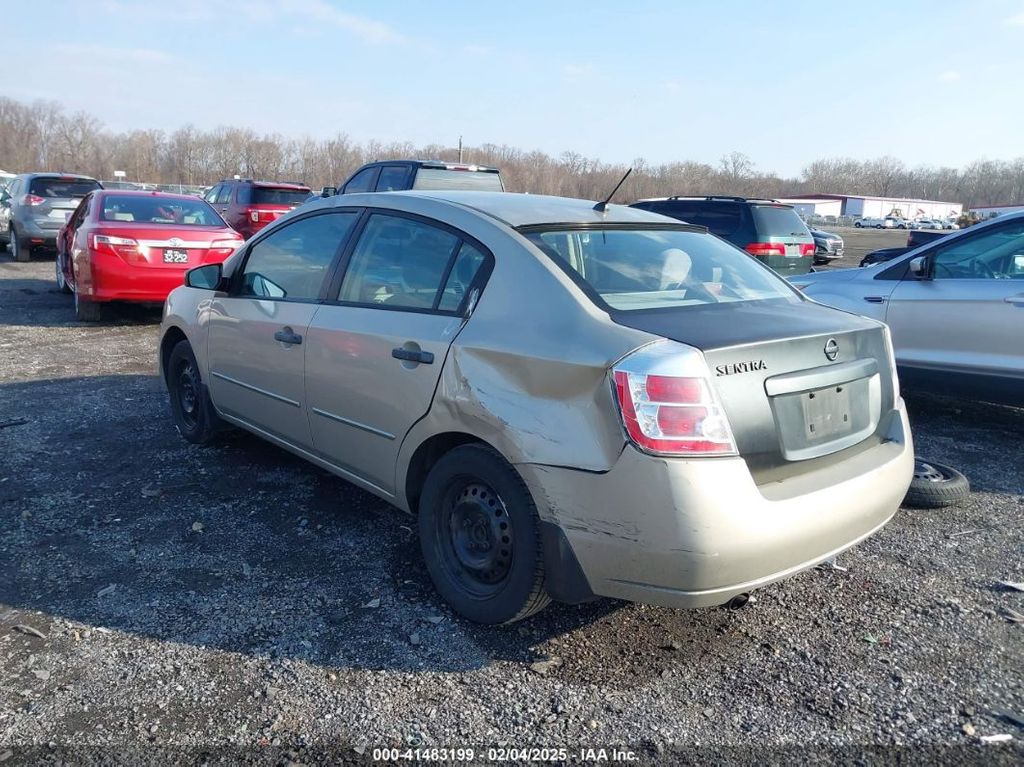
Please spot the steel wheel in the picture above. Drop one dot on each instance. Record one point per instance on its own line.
(188, 392)
(478, 534)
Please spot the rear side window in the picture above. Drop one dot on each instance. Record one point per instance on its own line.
(293, 260)
(442, 178)
(656, 269)
(778, 221)
(362, 181)
(463, 273)
(57, 187)
(728, 220)
(401, 263)
(392, 178)
(269, 195)
(224, 194)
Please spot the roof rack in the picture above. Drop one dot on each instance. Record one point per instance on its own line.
(722, 197)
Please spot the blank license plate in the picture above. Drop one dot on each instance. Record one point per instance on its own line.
(172, 256)
(826, 412)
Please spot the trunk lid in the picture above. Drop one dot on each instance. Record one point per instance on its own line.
(164, 247)
(798, 382)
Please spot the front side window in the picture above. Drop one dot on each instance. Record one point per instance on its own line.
(399, 263)
(995, 254)
(362, 181)
(293, 260)
(653, 268)
(211, 195)
(224, 194)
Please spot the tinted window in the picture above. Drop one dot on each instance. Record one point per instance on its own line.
(442, 178)
(392, 177)
(467, 264)
(724, 219)
(995, 254)
(56, 187)
(362, 181)
(269, 195)
(211, 195)
(778, 221)
(647, 269)
(159, 210)
(224, 194)
(398, 262)
(293, 260)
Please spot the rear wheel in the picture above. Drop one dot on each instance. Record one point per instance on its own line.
(86, 310)
(20, 251)
(194, 415)
(935, 486)
(480, 536)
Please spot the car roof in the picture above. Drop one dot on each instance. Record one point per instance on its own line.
(517, 210)
(273, 184)
(57, 174)
(147, 193)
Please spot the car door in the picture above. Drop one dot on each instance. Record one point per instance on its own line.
(375, 350)
(967, 314)
(256, 343)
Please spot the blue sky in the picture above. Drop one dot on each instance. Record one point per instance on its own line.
(784, 82)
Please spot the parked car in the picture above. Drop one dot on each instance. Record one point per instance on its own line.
(249, 205)
(399, 175)
(915, 239)
(771, 232)
(34, 207)
(827, 246)
(680, 451)
(955, 307)
(136, 246)
(889, 222)
(926, 223)
(950, 224)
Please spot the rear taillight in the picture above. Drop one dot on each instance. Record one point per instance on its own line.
(223, 248)
(807, 249)
(766, 249)
(33, 199)
(124, 247)
(667, 403)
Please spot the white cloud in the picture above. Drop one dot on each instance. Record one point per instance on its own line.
(318, 13)
(1015, 21)
(106, 55)
(950, 76)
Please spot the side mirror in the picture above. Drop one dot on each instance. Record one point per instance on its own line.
(329, 191)
(207, 277)
(919, 267)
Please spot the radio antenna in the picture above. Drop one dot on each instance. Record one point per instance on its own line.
(602, 206)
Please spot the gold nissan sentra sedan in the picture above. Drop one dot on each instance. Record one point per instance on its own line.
(574, 402)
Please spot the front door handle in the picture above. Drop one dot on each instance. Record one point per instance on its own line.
(1017, 299)
(409, 355)
(287, 336)
(875, 299)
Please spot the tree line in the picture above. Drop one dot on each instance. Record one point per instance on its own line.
(43, 136)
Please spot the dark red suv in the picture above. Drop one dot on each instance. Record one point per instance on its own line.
(249, 205)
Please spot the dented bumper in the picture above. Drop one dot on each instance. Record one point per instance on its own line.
(695, 533)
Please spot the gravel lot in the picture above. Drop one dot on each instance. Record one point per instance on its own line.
(233, 602)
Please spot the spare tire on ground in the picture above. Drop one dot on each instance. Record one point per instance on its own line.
(935, 486)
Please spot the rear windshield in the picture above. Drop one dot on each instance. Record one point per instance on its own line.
(651, 269)
(268, 195)
(778, 221)
(442, 178)
(57, 187)
(159, 210)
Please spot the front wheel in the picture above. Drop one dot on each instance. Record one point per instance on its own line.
(480, 536)
(62, 283)
(193, 412)
(86, 310)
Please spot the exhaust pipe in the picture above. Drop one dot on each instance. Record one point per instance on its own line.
(737, 602)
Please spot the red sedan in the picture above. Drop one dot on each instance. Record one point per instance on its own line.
(136, 246)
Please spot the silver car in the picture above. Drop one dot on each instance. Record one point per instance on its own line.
(575, 401)
(955, 307)
(35, 206)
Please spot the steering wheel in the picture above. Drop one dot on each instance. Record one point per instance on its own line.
(980, 267)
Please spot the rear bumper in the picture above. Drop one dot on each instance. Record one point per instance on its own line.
(29, 229)
(695, 533)
(108, 278)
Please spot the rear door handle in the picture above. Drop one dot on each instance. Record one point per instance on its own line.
(408, 355)
(1018, 299)
(287, 336)
(875, 299)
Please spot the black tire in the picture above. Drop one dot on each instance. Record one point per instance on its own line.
(857, 224)
(935, 486)
(20, 251)
(88, 311)
(194, 414)
(62, 284)
(480, 536)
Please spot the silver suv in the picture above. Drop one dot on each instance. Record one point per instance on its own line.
(573, 400)
(35, 206)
